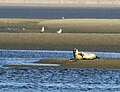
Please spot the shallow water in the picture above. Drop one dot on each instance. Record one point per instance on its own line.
(54, 79)
(50, 12)
(59, 80)
(28, 56)
(11, 29)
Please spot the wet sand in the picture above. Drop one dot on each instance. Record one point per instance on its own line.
(53, 41)
(85, 34)
(67, 63)
(67, 25)
(100, 35)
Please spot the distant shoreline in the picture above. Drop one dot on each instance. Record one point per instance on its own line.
(58, 5)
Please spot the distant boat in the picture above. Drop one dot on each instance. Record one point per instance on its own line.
(43, 29)
(60, 31)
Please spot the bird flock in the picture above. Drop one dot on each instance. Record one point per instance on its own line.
(43, 29)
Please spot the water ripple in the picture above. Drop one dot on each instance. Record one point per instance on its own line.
(52, 80)
(49, 54)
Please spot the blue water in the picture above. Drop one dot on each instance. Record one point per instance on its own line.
(54, 79)
(28, 56)
(59, 80)
(50, 12)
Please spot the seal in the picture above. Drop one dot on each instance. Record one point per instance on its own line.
(83, 55)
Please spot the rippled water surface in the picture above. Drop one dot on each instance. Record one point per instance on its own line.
(54, 80)
(28, 56)
(59, 80)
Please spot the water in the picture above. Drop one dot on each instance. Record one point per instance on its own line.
(54, 79)
(29, 56)
(50, 12)
(11, 29)
(59, 80)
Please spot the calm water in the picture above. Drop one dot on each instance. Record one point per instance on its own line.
(54, 80)
(43, 12)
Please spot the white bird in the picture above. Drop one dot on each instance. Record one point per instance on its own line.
(60, 31)
(43, 29)
(83, 55)
(63, 17)
(24, 28)
(9, 28)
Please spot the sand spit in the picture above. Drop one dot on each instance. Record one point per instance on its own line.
(67, 63)
(92, 34)
(54, 41)
(67, 25)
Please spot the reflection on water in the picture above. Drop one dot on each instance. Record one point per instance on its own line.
(59, 80)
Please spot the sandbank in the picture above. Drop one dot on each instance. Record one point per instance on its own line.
(67, 63)
(66, 41)
(67, 25)
(84, 34)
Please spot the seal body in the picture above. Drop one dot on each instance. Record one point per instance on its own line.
(77, 55)
(88, 56)
(83, 55)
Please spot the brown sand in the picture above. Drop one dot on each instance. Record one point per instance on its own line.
(33, 39)
(100, 34)
(67, 25)
(53, 41)
(67, 63)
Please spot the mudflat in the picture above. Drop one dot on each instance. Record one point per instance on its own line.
(67, 25)
(66, 41)
(67, 63)
(84, 34)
